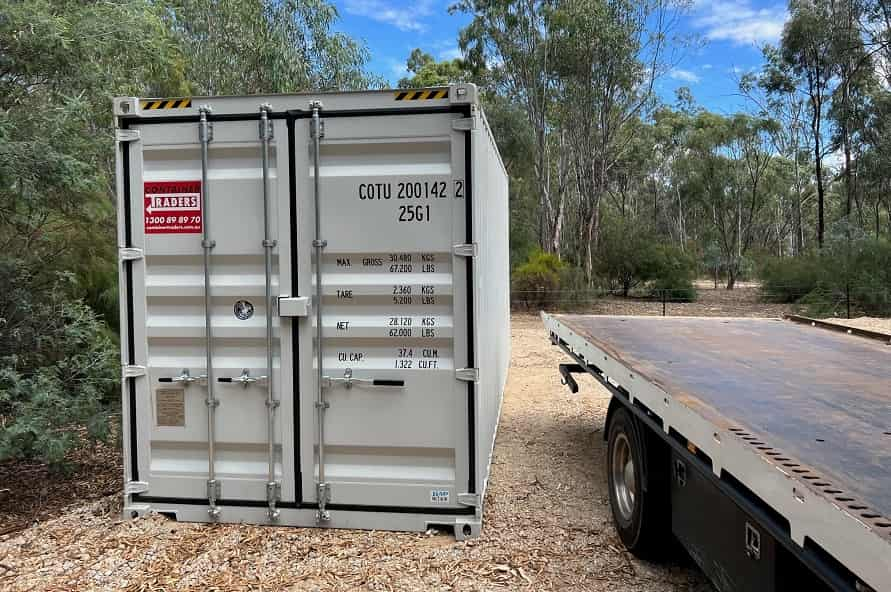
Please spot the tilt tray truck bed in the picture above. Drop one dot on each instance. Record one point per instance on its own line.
(762, 445)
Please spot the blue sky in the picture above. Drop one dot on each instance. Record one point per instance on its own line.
(730, 33)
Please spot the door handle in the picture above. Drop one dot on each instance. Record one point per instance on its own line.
(348, 381)
(245, 379)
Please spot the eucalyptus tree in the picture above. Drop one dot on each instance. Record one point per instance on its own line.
(669, 167)
(807, 48)
(610, 54)
(513, 39)
(266, 46)
(424, 70)
(775, 93)
(730, 164)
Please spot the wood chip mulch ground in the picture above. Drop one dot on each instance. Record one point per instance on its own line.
(547, 523)
(30, 492)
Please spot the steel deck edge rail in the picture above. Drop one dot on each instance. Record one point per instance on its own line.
(811, 516)
(838, 328)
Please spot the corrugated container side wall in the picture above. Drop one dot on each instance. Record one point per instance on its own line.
(491, 291)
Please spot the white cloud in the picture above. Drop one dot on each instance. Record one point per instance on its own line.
(451, 53)
(683, 75)
(739, 22)
(707, 66)
(398, 69)
(738, 71)
(405, 18)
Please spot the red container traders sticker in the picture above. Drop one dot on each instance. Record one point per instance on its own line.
(172, 207)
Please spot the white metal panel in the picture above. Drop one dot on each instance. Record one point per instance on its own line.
(169, 314)
(491, 291)
(390, 218)
(396, 306)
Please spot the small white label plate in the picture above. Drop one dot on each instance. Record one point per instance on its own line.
(439, 496)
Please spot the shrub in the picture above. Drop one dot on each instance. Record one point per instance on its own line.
(823, 282)
(626, 258)
(673, 273)
(862, 269)
(789, 280)
(58, 367)
(536, 283)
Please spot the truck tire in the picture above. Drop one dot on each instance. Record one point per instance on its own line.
(639, 496)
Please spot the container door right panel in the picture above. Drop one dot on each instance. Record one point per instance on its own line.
(393, 209)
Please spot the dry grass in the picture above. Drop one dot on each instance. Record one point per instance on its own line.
(547, 523)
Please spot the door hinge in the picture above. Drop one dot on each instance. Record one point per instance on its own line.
(126, 135)
(466, 250)
(293, 306)
(132, 487)
(132, 371)
(467, 374)
(469, 499)
(130, 253)
(266, 128)
(464, 124)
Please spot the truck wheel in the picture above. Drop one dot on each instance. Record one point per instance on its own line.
(636, 468)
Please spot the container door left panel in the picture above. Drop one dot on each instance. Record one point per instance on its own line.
(201, 221)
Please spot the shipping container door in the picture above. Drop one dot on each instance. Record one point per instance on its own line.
(393, 206)
(169, 209)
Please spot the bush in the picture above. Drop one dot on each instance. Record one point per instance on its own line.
(58, 367)
(673, 273)
(536, 283)
(822, 282)
(791, 279)
(626, 258)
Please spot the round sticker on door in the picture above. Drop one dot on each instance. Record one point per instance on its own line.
(244, 310)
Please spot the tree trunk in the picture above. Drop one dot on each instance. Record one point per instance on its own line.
(849, 189)
(731, 276)
(589, 249)
(817, 108)
(558, 226)
(682, 227)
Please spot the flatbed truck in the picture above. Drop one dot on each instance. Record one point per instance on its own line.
(762, 446)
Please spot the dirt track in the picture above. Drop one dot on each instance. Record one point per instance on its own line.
(547, 523)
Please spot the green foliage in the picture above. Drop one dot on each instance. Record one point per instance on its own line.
(58, 367)
(855, 269)
(790, 279)
(673, 273)
(627, 257)
(538, 281)
(630, 260)
(266, 46)
(426, 71)
(62, 61)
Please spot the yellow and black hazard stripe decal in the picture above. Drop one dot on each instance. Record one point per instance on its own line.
(422, 95)
(150, 104)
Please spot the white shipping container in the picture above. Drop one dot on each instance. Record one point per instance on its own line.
(231, 412)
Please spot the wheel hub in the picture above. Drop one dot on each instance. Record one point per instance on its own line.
(624, 476)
